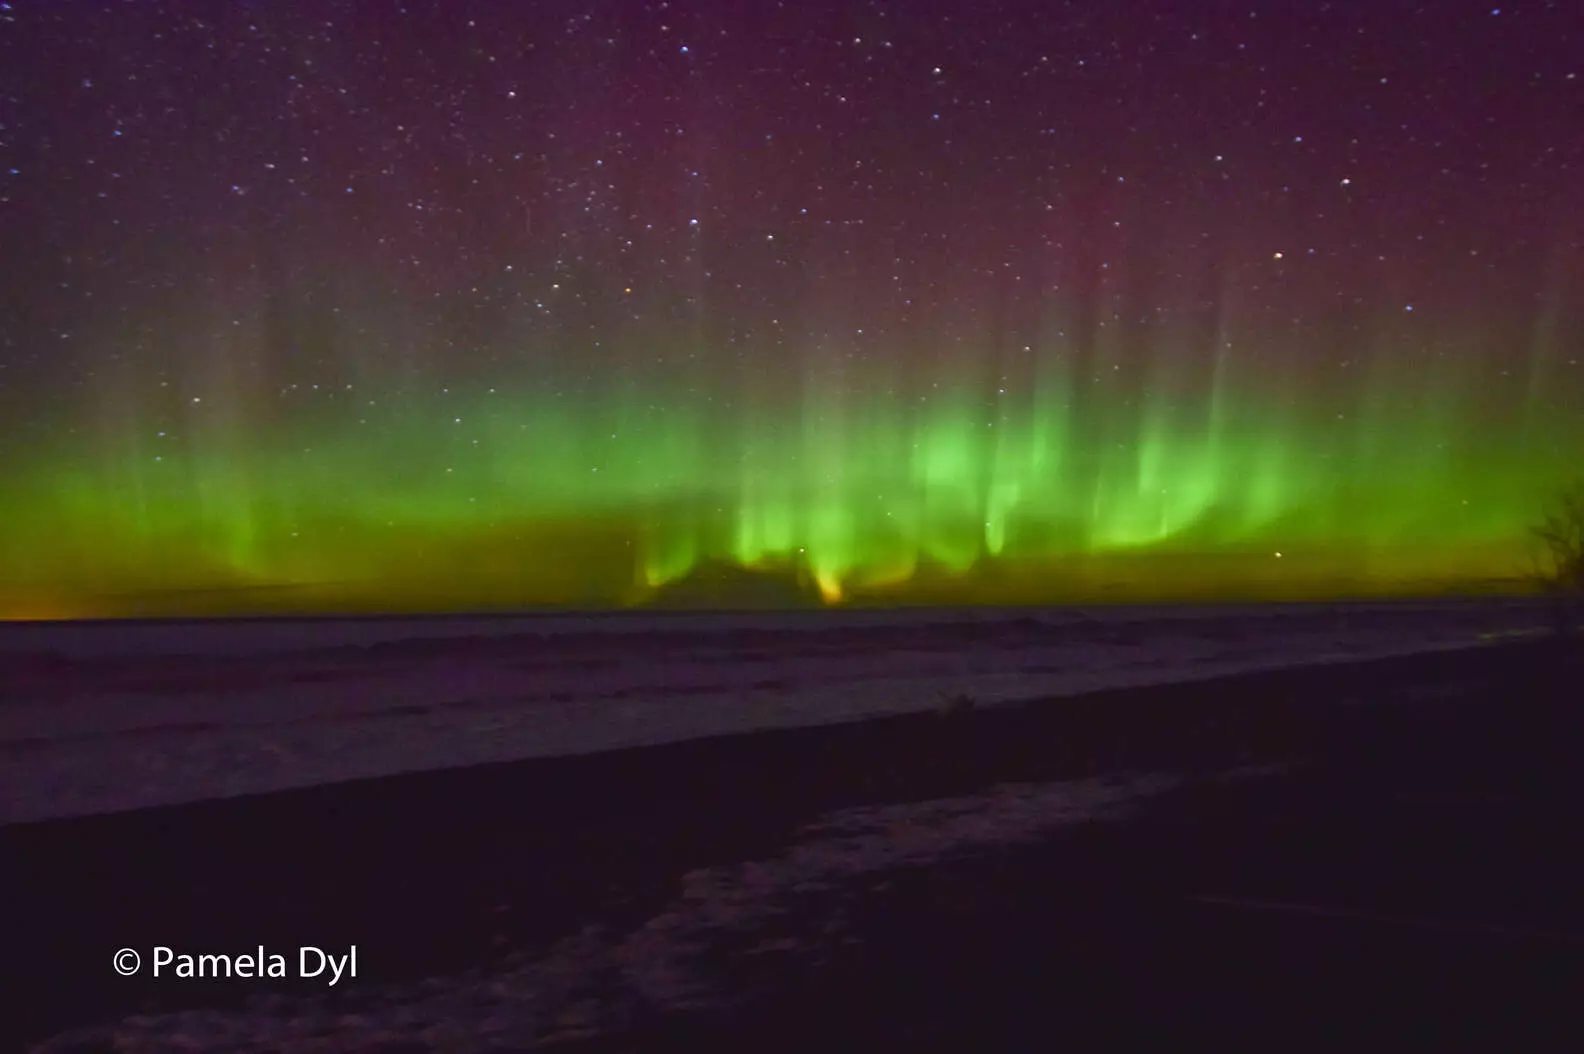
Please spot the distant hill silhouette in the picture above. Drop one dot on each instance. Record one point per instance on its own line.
(721, 586)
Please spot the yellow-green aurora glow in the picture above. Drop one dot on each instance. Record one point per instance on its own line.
(479, 306)
(949, 489)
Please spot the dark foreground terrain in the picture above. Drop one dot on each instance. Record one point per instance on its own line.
(1410, 877)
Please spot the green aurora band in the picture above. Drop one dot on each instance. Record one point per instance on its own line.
(1040, 477)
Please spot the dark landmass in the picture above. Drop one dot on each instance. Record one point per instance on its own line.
(715, 584)
(1412, 879)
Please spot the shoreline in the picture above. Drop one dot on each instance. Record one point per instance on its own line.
(438, 873)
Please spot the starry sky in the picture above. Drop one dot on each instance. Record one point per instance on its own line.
(366, 306)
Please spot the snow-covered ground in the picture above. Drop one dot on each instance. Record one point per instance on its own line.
(104, 717)
(592, 983)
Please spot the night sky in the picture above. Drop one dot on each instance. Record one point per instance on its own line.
(367, 307)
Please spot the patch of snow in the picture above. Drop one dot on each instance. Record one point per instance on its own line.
(595, 982)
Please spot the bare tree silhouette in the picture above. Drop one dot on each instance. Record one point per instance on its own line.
(1561, 532)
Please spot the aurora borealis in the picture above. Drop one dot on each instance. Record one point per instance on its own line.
(439, 306)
